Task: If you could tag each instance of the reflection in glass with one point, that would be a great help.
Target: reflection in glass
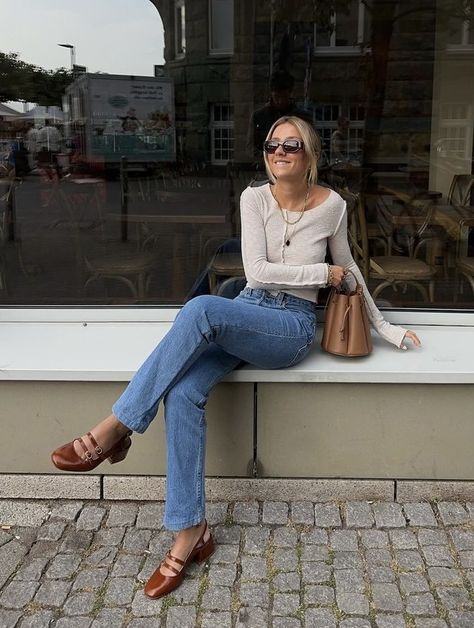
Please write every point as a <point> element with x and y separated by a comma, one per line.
<point>129,192</point>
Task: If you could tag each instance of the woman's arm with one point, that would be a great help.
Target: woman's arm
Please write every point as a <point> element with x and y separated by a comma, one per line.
<point>273,276</point>
<point>342,256</point>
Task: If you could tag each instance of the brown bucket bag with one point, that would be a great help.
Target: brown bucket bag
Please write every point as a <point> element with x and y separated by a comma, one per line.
<point>346,330</point>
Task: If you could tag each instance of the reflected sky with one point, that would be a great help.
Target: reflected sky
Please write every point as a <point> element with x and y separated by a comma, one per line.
<point>114,36</point>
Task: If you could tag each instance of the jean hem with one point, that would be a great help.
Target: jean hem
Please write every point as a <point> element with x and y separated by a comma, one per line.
<point>177,527</point>
<point>135,426</point>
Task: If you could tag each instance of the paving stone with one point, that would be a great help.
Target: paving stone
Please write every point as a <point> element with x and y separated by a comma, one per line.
<point>354,622</point>
<point>315,552</point>
<point>286,581</point>
<point>144,623</point>
<point>136,540</point>
<point>160,542</point>
<point>432,537</point>
<point>76,541</point>
<point>32,569</point>
<point>421,604</point>
<point>216,598</point>
<point>79,604</point>
<point>11,556</point>
<point>430,622</point>
<point>227,535</point>
<point>285,537</point>
<point>53,593</point>
<point>461,619</point>
<point>316,536</point>
<point>352,603</point>
<point>445,575</point>
<point>419,514</point>
<point>9,619</point>
<point>315,573</point>
<point>63,566</point>
<point>41,619</point>
<point>386,597</point>
<point>350,580</point>
<point>320,618</point>
<point>344,540</point>
<point>275,513</point>
<point>359,515</point>
<point>109,618</point>
<point>122,515</point>
<point>179,616</point>
<point>17,594</point>
<point>470,577</point>
<point>285,603</point>
<point>66,510</point>
<point>374,539</point>
<point>223,574</point>
<point>143,606</point>
<point>216,620</point>
<point>51,531</point>
<point>389,515</point>
<point>403,539</point>
<point>327,516</point>
<point>253,594</point>
<point>16,512</point>
<point>90,579</point>
<point>462,539</point>
<point>409,560</point>
<point>26,536</point>
<point>150,516</point>
<point>413,583</point>
<point>253,568</point>
<point>109,536</point>
<point>126,565</point>
<point>90,518</point>
<point>390,621</point>
<point>319,594</point>
<point>73,622</point>
<point>216,512</point>
<point>102,557</point>
<point>302,512</point>
<point>347,560</point>
<point>452,513</point>
<point>245,512</point>
<point>437,556</point>
<point>188,591</point>
<point>255,540</point>
<point>252,618</point>
<point>467,559</point>
<point>380,573</point>
<point>119,591</point>
<point>285,559</point>
<point>286,622</point>
<point>454,598</point>
<point>378,557</point>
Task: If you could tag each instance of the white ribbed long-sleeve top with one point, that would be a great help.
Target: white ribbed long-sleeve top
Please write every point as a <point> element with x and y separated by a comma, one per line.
<point>299,268</point>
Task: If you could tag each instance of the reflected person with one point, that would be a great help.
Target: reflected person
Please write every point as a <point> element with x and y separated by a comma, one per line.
<point>287,226</point>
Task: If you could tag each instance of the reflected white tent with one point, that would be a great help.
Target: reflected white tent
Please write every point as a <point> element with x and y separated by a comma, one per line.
<point>7,113</point>
<point>41,113</point>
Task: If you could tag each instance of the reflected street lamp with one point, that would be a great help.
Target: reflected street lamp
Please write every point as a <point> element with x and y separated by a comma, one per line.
<point>73,53</point>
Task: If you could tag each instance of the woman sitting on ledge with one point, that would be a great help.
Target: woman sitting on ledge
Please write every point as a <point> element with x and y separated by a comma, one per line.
<point>286,228</point>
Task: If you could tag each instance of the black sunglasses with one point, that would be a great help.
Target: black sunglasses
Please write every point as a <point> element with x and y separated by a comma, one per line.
<point>289,146</point>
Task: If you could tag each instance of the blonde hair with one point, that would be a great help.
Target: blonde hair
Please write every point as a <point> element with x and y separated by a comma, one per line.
<point>311,141</point>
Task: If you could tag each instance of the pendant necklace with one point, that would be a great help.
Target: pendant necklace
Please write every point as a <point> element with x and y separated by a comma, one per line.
<point>287,237</point>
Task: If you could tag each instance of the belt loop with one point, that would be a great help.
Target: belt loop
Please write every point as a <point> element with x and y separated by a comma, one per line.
<point>281,298</point>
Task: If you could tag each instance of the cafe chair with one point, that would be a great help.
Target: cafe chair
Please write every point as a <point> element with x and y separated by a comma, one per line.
<point>392,271</point>
<point>465,268</point>
<point>460,190</point>
<point>231,287</point>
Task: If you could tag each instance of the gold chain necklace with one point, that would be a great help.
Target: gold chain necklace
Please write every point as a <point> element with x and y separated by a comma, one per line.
<point>287,238</point>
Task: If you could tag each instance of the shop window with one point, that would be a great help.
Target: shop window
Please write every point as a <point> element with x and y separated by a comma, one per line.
<point>221,27</point>
<point>343,31</point>
<point>179,28</point>
<point>222,133</point>
<point>460,32</point>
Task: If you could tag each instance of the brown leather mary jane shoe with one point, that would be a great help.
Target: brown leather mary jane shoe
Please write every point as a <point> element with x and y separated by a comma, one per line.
<point>66,458</point>
<point>159,585</point>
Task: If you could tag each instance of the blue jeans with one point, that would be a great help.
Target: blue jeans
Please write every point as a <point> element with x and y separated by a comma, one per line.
<point>210,337</point>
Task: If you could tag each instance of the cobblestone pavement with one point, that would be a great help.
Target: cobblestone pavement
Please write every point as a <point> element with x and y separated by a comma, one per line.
<point>282,565</point>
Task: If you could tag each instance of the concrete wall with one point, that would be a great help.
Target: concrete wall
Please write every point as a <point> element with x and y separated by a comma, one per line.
<point>312,430</point>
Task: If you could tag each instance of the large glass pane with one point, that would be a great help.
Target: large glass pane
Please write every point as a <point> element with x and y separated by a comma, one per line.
<point>121,187</point>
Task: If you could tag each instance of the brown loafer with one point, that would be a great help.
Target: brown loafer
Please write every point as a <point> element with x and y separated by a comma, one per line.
<point>159,585</point>
<point>66,458</point>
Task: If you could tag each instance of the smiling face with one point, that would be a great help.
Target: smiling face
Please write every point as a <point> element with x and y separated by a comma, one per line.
<point>287,166</point>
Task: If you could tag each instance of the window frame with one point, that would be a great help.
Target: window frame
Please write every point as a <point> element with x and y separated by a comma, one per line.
<point>220,124</point>
<point>179,16</point>
<point>217,52</point>
<point>335,50</point>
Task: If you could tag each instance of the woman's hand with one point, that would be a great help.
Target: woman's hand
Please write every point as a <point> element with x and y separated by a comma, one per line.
<point>411,336</point>
<point>336,275</point>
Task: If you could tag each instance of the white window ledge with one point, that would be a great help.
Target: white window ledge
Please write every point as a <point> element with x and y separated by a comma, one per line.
<point>106,345</point>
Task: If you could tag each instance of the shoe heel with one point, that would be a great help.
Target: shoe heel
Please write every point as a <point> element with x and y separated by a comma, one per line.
<point>119,455</point>
<point>205,551</point>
